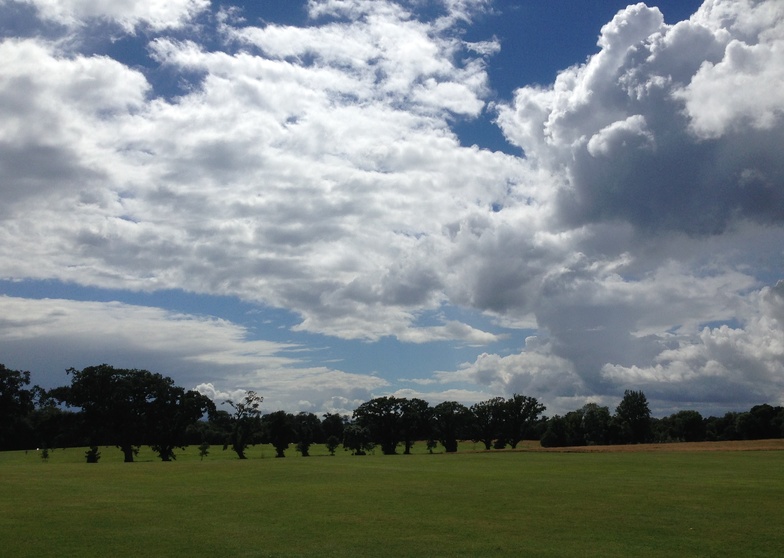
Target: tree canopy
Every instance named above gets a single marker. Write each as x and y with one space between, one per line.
16 404
634 417
130 408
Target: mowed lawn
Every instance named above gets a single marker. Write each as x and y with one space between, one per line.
466 504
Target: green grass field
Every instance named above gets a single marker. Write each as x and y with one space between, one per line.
467 504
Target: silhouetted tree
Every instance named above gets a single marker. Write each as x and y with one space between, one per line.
119 406
332 444
245 423
171 410
451 421
521 414
307 429
382 417
596 420
634 417
16 404
332 425
762 423
566 430
487 420
357 439
683 426
217 429
414 421
92 455
722 428
54 427
557 433
279 429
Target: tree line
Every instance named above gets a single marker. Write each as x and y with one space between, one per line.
128 408
632 423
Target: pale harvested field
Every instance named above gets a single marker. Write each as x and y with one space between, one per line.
740 445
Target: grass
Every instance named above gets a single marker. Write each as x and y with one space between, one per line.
468 504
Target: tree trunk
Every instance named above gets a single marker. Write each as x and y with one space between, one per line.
450 445
128 453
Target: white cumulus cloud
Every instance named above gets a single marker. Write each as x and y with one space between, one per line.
126 13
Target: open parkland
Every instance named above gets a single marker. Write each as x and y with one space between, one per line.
680 499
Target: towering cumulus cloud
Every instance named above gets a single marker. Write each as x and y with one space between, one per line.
665 148
667 127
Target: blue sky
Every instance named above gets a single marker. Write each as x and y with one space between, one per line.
333 200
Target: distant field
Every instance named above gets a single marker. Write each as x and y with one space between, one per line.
742 445
667 502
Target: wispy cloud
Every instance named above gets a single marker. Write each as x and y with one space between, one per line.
128 14
197 351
